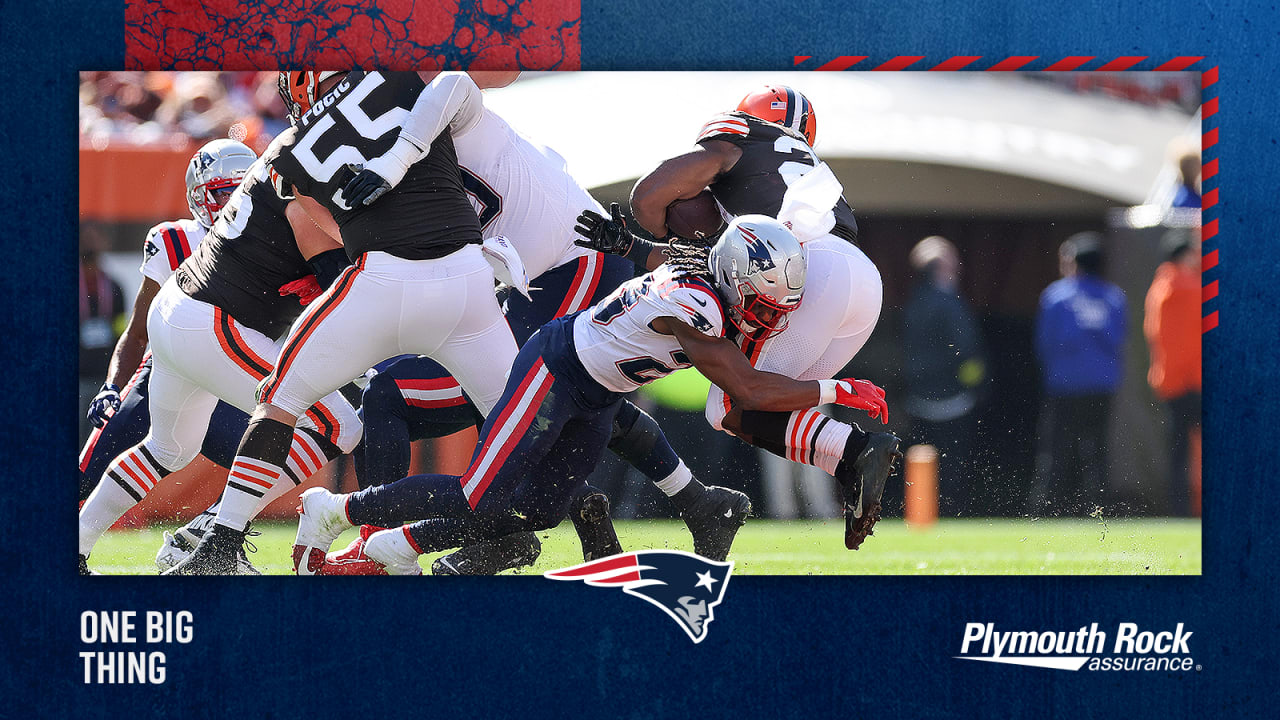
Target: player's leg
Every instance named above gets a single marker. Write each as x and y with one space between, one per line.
126 428
413 399
511 442
180 412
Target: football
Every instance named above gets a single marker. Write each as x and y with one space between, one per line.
697 218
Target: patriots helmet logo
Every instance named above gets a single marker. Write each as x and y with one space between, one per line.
759 259
203 161
685 586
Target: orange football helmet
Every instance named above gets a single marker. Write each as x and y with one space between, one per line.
299 88
783 106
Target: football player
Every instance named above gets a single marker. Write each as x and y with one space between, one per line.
748 158
556 414
523 192
419 283
211 328
121 417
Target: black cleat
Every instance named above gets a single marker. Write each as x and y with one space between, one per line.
84 566
217 554
589 512
490 557
714 519
182 542
862 482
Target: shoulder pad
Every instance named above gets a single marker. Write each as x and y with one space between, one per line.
727 126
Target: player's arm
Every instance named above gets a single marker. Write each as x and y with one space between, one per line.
320 245
679 178
720 361
126 356
452 100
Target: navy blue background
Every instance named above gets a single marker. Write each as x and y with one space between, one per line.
525 647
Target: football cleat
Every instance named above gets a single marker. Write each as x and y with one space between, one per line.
353 560
180 544
490 557
322 517
862 483
589 512
714 519
215 554
84 566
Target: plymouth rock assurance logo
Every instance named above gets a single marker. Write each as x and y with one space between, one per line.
1086 648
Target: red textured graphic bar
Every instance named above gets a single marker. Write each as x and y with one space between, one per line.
842 62
1180 63
1210 229
1070 63
1012 63
1209 77
1209 261
387 34
1209 200
799 59
1209 322
1123 63
1210 169
900 63
957 63
1210 107
1209 139
1209 292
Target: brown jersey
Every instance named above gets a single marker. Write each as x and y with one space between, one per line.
247 256
427 215
771 154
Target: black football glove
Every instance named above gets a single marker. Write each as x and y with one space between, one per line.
609 236
366 187
104 405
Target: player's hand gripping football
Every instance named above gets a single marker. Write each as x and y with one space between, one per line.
607 235
863 395
104 405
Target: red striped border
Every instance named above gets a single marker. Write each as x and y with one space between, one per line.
1013 62
1209 208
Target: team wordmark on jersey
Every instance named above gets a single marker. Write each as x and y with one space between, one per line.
685 586
1084 648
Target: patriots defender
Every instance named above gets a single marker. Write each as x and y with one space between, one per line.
747 159
119 411
522 191
419 283
211 328
556 413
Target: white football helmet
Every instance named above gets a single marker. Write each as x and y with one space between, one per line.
219 165
759 270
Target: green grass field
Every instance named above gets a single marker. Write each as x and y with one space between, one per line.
816 547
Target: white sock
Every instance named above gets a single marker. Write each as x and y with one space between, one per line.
828 448
249 482
676 481
104 507
394 550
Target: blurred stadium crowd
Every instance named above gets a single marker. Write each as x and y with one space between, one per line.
180 110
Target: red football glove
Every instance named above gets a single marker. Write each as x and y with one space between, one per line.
306 288
863 395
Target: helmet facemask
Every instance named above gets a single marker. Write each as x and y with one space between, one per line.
746 315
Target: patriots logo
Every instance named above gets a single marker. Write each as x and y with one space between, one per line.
203 161
758 257
685 586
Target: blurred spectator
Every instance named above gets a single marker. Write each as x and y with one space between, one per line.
945 368
1172 327
102 319
1080 343
180 107
1187 194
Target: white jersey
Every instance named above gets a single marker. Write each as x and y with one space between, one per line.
167 245
616 342
520 189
